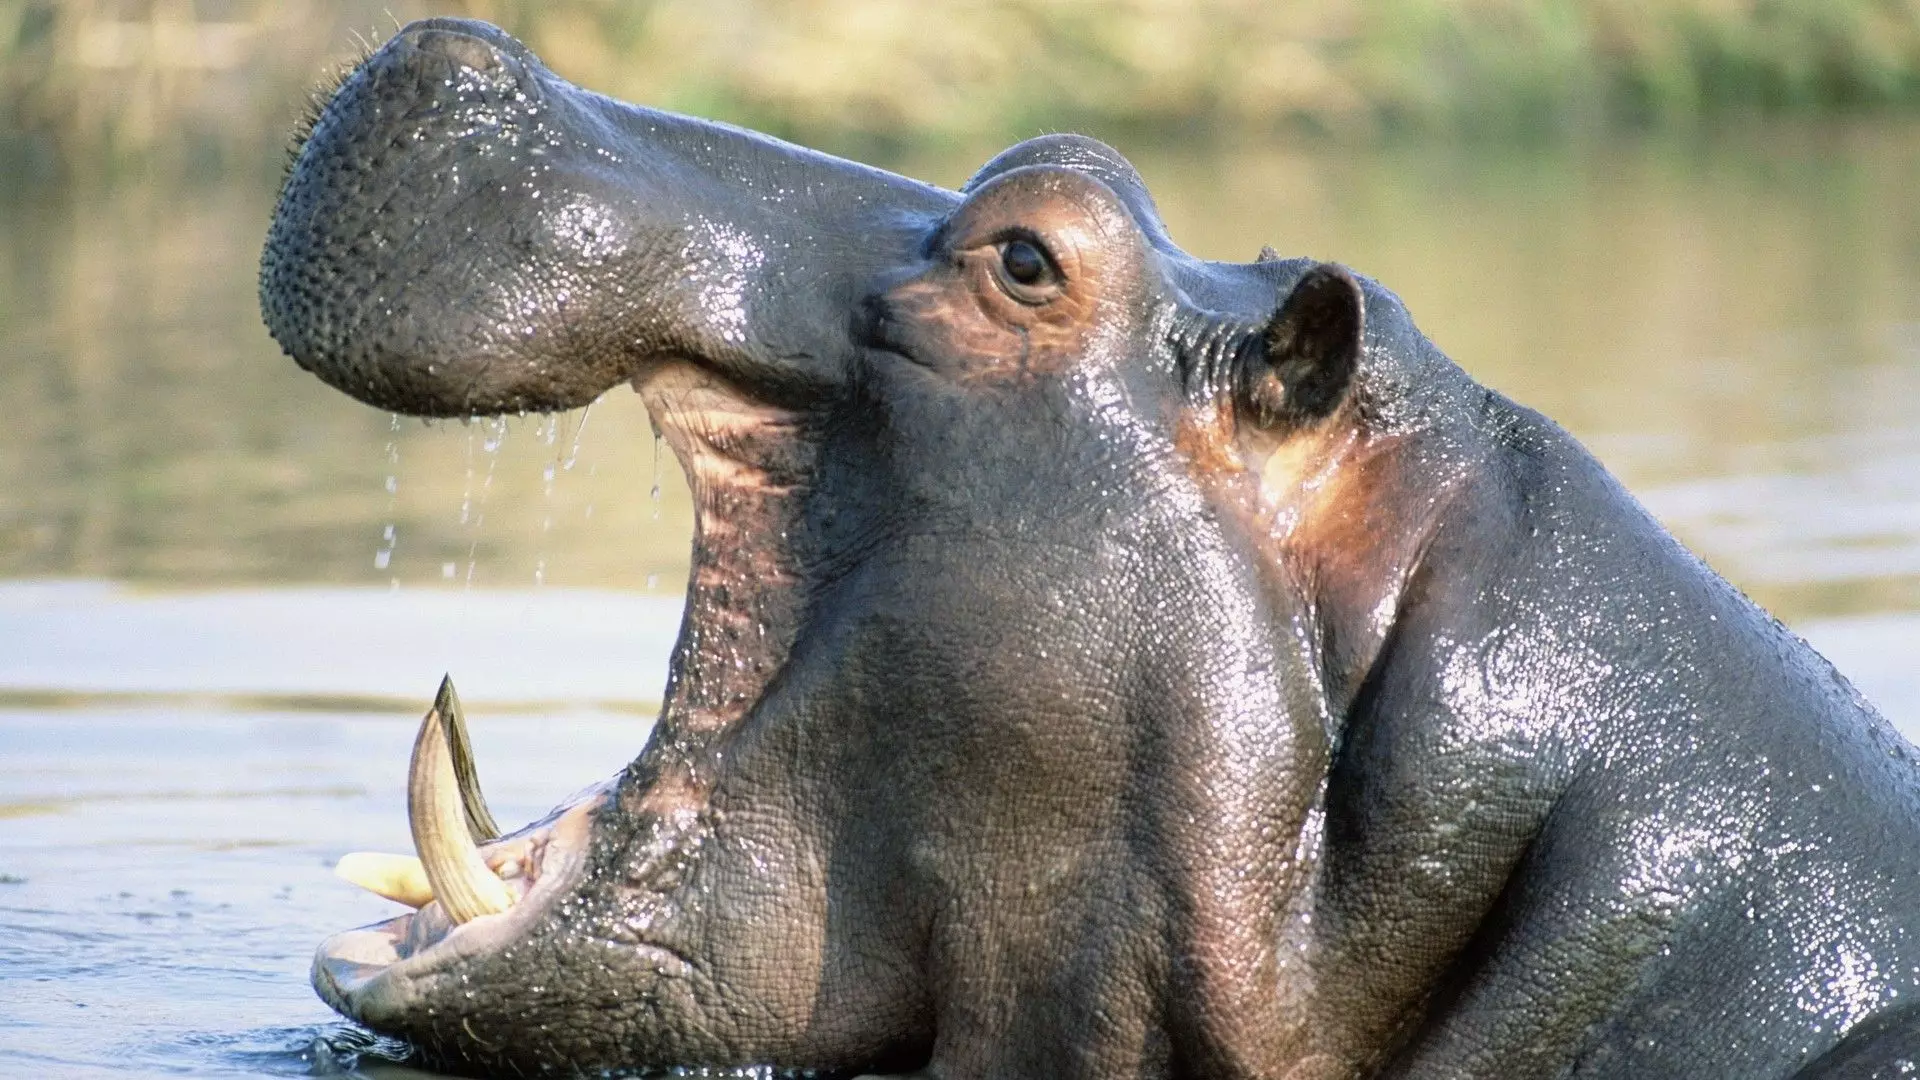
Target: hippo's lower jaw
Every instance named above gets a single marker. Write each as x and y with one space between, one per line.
603 874
380 972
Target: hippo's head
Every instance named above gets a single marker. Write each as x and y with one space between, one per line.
989 688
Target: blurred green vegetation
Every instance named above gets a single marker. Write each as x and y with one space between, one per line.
135 83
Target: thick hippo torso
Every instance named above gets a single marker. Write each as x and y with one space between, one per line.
1097 662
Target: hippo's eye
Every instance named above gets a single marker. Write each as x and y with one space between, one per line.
1026 272
1023 262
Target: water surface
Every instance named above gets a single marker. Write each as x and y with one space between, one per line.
164 873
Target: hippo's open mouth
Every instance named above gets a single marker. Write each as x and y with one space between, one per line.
478 893
465 233
355 970
472 890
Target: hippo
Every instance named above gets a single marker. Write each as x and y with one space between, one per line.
1096 661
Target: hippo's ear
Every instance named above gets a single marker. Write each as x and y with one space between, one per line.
1308 351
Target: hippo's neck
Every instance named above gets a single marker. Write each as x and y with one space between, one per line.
1356 531
1351 509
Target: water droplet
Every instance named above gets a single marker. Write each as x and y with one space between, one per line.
573 451
655 493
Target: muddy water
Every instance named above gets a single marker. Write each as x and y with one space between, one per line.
225 592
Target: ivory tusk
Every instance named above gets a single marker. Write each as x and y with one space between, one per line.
479 819
436 811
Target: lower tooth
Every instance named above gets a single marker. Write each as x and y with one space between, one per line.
396 877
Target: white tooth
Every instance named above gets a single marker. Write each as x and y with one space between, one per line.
459 876
396 877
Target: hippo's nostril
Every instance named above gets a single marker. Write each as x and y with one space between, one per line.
463 49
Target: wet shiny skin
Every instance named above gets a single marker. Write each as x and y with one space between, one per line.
1043 608
1785 490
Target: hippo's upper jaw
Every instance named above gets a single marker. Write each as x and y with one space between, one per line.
463 233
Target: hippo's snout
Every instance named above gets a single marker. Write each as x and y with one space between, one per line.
428 254
464 232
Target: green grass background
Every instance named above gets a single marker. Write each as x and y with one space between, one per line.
193 83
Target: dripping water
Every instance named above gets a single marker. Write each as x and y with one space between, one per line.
383 556
549 433
473 509
573 449
573 454
655 493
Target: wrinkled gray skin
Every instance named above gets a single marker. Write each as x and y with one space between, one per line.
1098 662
